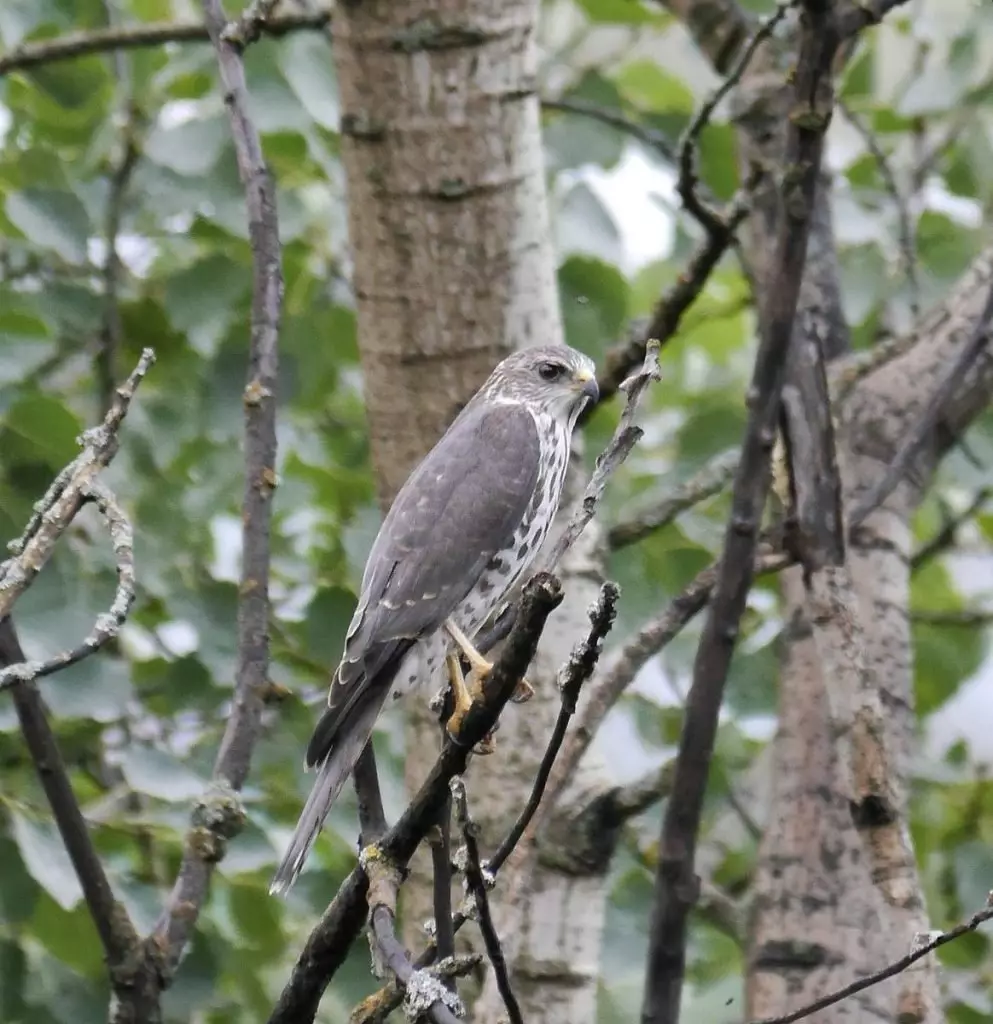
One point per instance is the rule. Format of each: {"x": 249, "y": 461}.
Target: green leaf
{"x": 594, "y": 297}
{"x": 46, "y": 860}
{"x": 645, "y": 84}
{"x": 305, "y": 60}
{"x": 52, "y": 220}
{"x": 625, "y": 12}
{"x": 39, "y": 428}
{"x": 154, "y": 772}
{"x": 328, "y": 615}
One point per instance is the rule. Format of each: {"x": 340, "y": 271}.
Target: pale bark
{"x": 453, "y": 268}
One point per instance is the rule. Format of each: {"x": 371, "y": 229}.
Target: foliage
{"x": 140, "y": 724}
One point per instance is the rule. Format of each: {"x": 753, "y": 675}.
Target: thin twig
{"x": 947, "y": 536}
{"x": 66, "y": 495}
{"x": 624, "y": 664}
{"x": 476, "y": 883}
{"x": 440, "y": 841}
{"x": 107, "y": 625}
{"x": 675, "y": 877}
{"x": 713, "y": 222}
{"x": 219, "y": 816}
{"x": 118, "y": 936}
{"x": 897, "y": 967}
{"x": 856, "y": 15}
{"x": 961, "y": 618}
{"x": 131, "y": 37}
{"x": 622, "y": 358}
{"x": 905, "y": 227}
{"x": 571, "y": 678}
{"x": 710, "y": 480}
{"x": 923, "y": 428}
{"x": 651, "y": 137}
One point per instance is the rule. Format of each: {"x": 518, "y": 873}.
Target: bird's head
{"x": 554, "y": 379}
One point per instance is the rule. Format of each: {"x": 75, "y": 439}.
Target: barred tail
{"x": 351, "y": 737}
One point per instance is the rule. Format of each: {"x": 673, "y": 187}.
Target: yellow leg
{"x": 480, "y": 666}
{"x": 463, "y": 701}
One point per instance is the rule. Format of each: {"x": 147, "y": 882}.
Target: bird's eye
{"x": 550, "y": 371}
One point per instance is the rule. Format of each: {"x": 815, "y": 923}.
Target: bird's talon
{"x": 523, "y": 692}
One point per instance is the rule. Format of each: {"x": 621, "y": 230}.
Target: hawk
{"x": 463, "y": 528}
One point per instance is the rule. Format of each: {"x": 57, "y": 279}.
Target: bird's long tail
{"x": 331, "y": 776}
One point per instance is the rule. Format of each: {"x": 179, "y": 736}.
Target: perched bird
{"x": 461, "y": 531}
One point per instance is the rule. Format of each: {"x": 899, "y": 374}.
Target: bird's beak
{"x": 588, "y": 386}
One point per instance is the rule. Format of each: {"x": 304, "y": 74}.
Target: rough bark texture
{"x": 833, "y": 901}
{"x": 453, "y": 268}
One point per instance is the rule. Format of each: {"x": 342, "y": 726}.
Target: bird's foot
{"x": 523, "y": 693}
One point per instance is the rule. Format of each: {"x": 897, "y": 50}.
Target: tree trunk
{"x": 454, "y": 267}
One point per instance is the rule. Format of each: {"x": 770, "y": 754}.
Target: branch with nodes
{"x": 141, "y": 36}
{"x": 477, "y": 882}
{"x": 218, "y": 816}
{"x": 675, "y": 880}
{"x": 107, "y": 625}
{"x": 570, "y": 680}
{"x": 329, "y": 943}
{"x": 133, "y": 975}
{"x": 423, "y": 992}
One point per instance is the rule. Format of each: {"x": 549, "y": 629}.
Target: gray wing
{"x": 458, "y": 508}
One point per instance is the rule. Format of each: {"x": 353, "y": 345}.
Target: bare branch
{"x": 923, "y": 429}
{"x": 423, "y": 992}
{"x": 571, "y": 678}
{"x": 133, "y": 967}
{"x": 219, "y": 816}
{"x": 328, "y": 945}
{"x": 651, "y": 137}
{"x": 476, "y": 884}
{"x": 719, "y": 27}
{"x": 64, "y": 498}
{"x": 132, "y": 37}
{"x": 898, "y": 966}
{"x": 905, "y": 227}
{"x": 964, "y": 618}
{"x": 859, "y": 14}
{"x": 947, "y": 536}
{"x": 710, "y": 480}
{"x": 675, "y": 880}
{"x": 118, "y": 937}
{"x": 625, "y": 663}
{"x": 376, "y": 1009}
{"x": 107, "y": 625}
{"x": 712, "y": 221}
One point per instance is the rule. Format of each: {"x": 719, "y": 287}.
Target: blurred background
{"x": 129, "y": 154}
